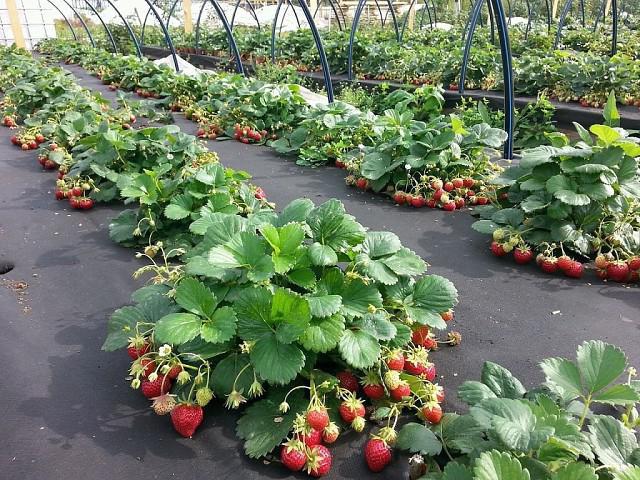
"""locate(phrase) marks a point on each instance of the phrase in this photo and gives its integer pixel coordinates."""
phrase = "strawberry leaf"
(496, 465)
(416, 438)
(245, 251)
(276, 362)
(359, 349)
(323, 334)
(177, 328)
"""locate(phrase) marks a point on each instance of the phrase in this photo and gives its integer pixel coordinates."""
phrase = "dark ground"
(67, 409)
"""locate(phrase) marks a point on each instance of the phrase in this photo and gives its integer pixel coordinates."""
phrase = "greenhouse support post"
(188, 20)
(16, 26)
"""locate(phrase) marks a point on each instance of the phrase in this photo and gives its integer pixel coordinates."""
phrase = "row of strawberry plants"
(422, 158)
(428, 147)
(303, 312)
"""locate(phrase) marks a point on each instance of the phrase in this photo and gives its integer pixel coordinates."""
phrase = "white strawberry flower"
(164, 350)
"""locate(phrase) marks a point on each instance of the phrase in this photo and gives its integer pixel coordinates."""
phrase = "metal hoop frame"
(332, 4)
(129, 30)
(73, 32)
(113, 43)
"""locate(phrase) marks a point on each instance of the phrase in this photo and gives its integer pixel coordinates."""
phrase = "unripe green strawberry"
(203, 396)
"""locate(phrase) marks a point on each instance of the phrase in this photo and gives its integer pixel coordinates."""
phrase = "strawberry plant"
(552, 431)
(572, 199)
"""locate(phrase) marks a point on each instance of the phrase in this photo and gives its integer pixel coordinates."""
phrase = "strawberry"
(33, 145)
(436, 184)
(53, 147)
(348, 381)
(186, 418)
(429, 372)
(40, 138)
(395, 361)
(468, 182)
(634, 263)
(437, 195)
(318, 418)
(59, 194)
(14, 140)
(459, 202)
(415, 368)
(439, 394)
(447, 316)
(293, 455)
(418, 201)
(159, 386)
(457, 182)
(399, 197)
(420, 334)
(163, 404)
(430, 344)
(482, 200)
(319, 461)
(449, 206)
(448, 186)
(549, 264)
(340, 164)
(602, 261)
(350, 409)
(574, 270)
(564, 262)
(24, 146)
(362, 183)
(374, 391)
(259, 194)
(174, 372)
(76, 191)
(330, 433)
(431, 203)
(377, 454)
(497, 249)
(313, 437)
(602, 273)
(618, 271)
(148, 366)
(86, 203)
(432, 414)
(137, 351)
(401, 391)
(522, 255)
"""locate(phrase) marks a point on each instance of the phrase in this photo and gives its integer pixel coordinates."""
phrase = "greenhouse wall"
(36, 19)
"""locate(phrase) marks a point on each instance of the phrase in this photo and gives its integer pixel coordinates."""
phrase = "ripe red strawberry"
(348, 381)
(340, 164)
(374, 391)
(174, 372)
(449, 206)
(459, 202)
(437, 195)
(60, 194)
(53, 147)
(522, 255)
(447, 316)
(377, 454)
(399, 197)
(293, 456)
(318, 418)
(469, 182)
(259, 194)
(330, 433)
(429, 372)
(440, 394)
(76, 191)
(395, 361)
(362, 183)
(350, 409)
(186, 418)
(574, 270)
(319, 461)
(14, 140)
(431, 203)
(86, 203)
(159, 386)
(420, 334)
(549, 264)
(403, 390)
(415, 368)
(482, 200)
(564, 262)
(33, 145)
(430, 344)
(457, 182)
(40, 138)
(470, 193)
(432, 414)
(313, 437)
(136, 352)
(448, 186)
(148, 366)
(618, 271)
(418, 201)
(634, 263)
(497, 249)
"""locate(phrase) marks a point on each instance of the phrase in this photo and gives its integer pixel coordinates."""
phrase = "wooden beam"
(554, 8)
(607, 8)
(16, 25)
(188, 19)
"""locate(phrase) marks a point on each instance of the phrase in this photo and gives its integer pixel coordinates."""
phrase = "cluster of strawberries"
(28, 141)
(154, 374)
(246, 134)
(448, 195)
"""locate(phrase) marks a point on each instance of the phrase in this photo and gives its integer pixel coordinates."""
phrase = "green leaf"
(121, 227)
(247, 251)
(405, 262)
(276, 362)
(558, 182)
(180, 207)
(296, 211)
(572, 198)
(512, 421)
(600, 364)
(195, 297)
(508, 216)
(630, 473)
(332, 226)
(416, 438)
(575, 471)
(605, 134)
(290, 314)
(501, 381)
(377, 325)
(431, 295)
(485, 226)
(456, 471)
(263, 427)
(357, 296)
(563, 377)
(221, 326)
(496, 465)
(610, 112)
(460, 432)
(472, 392)
(322, 255)
(379, 244)
(285, 242)
(617, 395)
(611, 441)
(122, 326)
(359, 349)
(324, 305)
(323, 334)
(177, 328)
